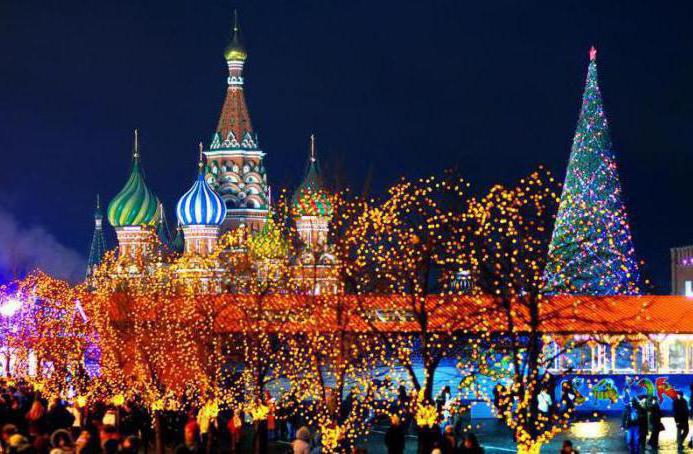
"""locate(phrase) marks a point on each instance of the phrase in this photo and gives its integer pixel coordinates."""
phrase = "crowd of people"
(642, 422)
(29, 424)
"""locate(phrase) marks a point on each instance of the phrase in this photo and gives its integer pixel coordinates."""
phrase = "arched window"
(677, 356)
(578, 357)
(551, 353)
(624, 356)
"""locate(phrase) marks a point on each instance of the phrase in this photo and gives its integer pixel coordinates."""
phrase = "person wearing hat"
(62, 442)
(301, 444)
(7, 431)
(19, 444)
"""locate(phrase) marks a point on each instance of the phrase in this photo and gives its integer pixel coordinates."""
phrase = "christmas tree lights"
(591, 252)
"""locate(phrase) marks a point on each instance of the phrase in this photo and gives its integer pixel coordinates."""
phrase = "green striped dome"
(135, 204)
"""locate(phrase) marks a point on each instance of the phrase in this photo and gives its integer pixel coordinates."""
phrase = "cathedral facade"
(231, 192)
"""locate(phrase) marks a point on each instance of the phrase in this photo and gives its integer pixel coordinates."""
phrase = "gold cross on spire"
(136, 152)
(201, 163)
(312, 148)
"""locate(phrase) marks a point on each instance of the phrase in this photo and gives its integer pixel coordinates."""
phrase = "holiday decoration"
(591, 251)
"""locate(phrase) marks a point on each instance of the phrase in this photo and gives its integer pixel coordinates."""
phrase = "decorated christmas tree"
(591, 250)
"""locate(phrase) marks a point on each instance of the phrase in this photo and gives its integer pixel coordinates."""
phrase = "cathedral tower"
(311, 205)
(98, 245)
(234, 159)
(134, 212)
(200, 212)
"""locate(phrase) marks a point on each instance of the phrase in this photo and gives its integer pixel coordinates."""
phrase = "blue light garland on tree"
(591, 250)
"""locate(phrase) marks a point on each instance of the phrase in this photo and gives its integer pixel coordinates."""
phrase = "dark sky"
(390, 88)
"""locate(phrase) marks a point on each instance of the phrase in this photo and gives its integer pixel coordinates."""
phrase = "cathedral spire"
(312, 148)
(98, 245)
(234, 126)
(136, 147)
(234, 160)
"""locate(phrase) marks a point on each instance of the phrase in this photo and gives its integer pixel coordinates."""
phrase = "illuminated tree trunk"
(158, 438)
(210, 439)
(529, 448)
(260, 437)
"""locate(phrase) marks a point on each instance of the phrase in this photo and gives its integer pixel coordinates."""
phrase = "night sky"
(390, 88)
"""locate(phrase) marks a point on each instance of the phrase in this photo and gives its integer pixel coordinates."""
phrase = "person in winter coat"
(654, 422)
(62, 442)
(58, 417)
(191, 444)
(428, 438)
(471, 445)
(635, 425)
(567, 448)
(681, 415)
(235, 426)
(394, 436)
(36, 416)
(301, 445)
(449, 440)
(86, 443)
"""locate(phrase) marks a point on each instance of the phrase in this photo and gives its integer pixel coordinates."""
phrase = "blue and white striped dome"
(201, 205)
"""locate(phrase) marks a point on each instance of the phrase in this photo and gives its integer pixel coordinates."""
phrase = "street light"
(10, 307)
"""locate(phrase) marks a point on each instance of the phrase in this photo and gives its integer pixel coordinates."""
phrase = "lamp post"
(8, 309)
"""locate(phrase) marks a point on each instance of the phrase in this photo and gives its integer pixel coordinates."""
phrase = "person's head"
(394, 420)
(7, 431)
(110, 446)
(18, 443)
(567, 444)
(448, 430)
(303, 434)
(679, 394)
(61, 438)
(131, 444)
(470, 441)
(55, 402)
(83, 441)
(190, 433)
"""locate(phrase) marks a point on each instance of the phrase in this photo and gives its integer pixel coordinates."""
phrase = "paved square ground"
(588, 437)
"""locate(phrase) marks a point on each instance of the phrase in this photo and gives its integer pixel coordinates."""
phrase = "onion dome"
(235, 50)
(135, 204)
(310, 199)
(201, 205)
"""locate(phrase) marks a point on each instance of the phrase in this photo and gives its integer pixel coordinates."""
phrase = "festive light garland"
(157, 319)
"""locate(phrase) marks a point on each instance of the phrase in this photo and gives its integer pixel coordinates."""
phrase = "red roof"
(557, 315)
(234, 115)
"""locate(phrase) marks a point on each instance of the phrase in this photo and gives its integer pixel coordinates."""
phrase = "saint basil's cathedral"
(230, 191)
